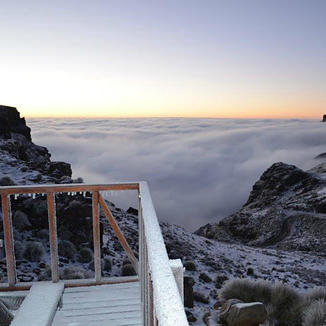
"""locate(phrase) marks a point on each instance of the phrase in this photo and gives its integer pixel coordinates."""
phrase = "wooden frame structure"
(161, 296)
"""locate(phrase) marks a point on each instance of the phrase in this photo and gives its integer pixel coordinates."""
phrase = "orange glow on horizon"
(194, 116)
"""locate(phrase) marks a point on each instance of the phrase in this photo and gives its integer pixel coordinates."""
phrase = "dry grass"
(285, 306)
(315, 314)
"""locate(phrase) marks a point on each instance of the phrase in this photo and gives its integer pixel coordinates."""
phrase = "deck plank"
(103, 305)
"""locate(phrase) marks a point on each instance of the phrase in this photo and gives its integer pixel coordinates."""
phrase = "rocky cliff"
(286, 209)
(21, 160)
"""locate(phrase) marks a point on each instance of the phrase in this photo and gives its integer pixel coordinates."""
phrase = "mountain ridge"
(286, 209)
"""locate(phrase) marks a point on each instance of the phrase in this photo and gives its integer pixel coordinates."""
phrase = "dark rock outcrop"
(11, 122)
(60, 168)
(16, 147)
(324, 118)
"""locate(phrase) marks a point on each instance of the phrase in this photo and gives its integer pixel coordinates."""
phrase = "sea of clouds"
(199, 170)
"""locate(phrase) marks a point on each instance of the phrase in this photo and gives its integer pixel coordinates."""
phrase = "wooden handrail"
(74, 187)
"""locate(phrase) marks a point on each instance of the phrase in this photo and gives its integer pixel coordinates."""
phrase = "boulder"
(132, 211)
(60, 169)
(236, 313)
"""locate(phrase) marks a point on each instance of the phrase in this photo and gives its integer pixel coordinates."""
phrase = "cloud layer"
(199, 170)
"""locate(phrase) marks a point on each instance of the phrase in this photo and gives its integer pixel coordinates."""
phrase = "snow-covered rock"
(286, 210)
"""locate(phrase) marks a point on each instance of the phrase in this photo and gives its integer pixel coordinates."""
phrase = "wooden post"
(177, 270)
(53, 236)
(9, 239)
(96, 236)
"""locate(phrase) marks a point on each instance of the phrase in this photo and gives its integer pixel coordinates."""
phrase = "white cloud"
(198, 169)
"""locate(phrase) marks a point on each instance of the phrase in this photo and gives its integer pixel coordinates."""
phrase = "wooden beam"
(53, 236)
(96, 236)
(82, 187)
(72, 283)
(119, 234)
(9, 239)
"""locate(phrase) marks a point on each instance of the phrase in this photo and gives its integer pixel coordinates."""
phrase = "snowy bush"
(66, 249)
(6, 181)
(127, 270)
(21, 221)
(286, 305)
(75, 272)
(43, 234)
(85, 255)
(19, 250)
(246, 290)
(107, 264)
(34, 251)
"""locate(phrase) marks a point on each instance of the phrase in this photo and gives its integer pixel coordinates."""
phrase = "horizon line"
(173, 117)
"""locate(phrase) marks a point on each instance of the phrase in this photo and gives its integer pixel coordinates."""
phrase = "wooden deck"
(103, 305)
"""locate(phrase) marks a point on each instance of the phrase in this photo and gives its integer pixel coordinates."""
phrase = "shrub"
(34, 251)
(66, 249)
(6, 181)
(315, 314)
(127, 270)
(246, 290)
(19, 250)
(85, 255)
(43, 234)
(21, 221)
(107, 264)
(315, 294)
(286, 305)
(92, 267)
(75, 272)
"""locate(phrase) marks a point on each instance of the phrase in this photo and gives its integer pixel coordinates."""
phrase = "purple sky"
(164, 58)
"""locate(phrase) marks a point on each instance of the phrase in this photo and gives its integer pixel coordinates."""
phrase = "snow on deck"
(114, 305)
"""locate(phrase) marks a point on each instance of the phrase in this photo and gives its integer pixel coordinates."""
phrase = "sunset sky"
(180, 58)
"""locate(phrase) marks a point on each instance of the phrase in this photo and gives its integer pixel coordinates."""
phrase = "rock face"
(19, 154)
(324, 118)
(11, 122)
(286, 209)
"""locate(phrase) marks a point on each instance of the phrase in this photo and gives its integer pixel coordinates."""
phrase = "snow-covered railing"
(161, 296)
(162, 303)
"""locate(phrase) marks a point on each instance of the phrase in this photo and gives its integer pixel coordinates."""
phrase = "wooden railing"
(161, 296)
